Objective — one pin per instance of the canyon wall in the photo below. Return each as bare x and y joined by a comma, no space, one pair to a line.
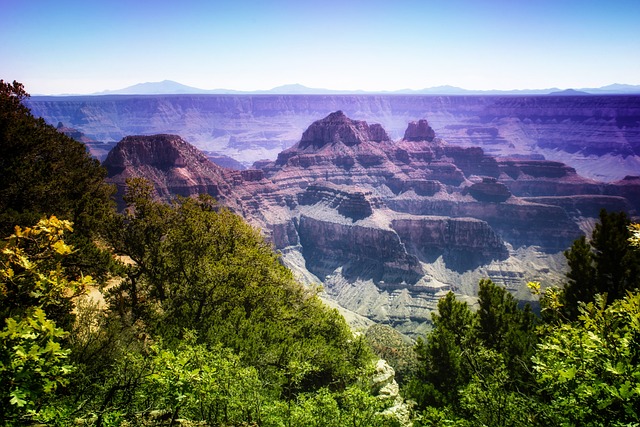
599,136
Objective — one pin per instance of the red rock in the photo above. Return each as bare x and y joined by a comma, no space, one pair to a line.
419,131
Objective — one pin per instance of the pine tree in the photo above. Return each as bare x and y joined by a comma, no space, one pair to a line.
607,264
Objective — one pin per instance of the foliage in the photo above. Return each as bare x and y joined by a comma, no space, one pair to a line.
607,264
45,173
198,266
32,364
589,370
36,296
490,398
474,366
32,274
634,240
395,348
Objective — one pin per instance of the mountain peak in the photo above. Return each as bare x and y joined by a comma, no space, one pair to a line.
154,88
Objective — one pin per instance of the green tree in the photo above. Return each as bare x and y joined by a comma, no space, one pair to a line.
475,367
507,329
44,173
589,370
198,266
581,275
489,399
605,265
36,298
443,358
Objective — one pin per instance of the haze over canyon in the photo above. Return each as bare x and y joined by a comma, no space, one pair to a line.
599,135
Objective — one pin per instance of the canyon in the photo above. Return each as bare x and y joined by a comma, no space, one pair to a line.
598,135
387,225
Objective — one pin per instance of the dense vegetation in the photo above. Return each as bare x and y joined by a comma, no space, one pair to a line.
578,364
198,320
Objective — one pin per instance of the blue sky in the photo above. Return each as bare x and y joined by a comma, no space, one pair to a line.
91,45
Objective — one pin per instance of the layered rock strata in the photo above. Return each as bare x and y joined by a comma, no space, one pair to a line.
390,226
597,135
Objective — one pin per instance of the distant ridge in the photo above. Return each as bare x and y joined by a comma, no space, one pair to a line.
165,87
569,92
169,87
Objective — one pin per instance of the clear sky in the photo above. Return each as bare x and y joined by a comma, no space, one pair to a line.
85,46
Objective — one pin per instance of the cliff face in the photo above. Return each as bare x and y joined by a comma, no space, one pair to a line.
174,166
589,133
389,226
358,251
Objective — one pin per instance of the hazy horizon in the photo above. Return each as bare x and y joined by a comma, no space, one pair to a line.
86,47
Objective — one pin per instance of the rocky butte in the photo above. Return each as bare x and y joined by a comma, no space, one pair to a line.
388,226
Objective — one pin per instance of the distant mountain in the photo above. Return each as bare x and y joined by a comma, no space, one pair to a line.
614,89
165,87
298,89
569,92
153,88
168,87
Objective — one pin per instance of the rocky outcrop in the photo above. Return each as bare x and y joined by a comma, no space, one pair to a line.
629,188
588,206
462,242
518,169
355,205
517,222
225,161
97,149
419,131
489,190
337,128
173,165
385,387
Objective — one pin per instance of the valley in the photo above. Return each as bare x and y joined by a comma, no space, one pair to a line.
388,226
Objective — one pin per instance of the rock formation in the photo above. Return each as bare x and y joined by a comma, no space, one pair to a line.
419,131
389,226
173,165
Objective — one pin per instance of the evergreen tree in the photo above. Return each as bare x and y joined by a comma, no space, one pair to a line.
443,358
508,330
607,264
44,173
470,358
